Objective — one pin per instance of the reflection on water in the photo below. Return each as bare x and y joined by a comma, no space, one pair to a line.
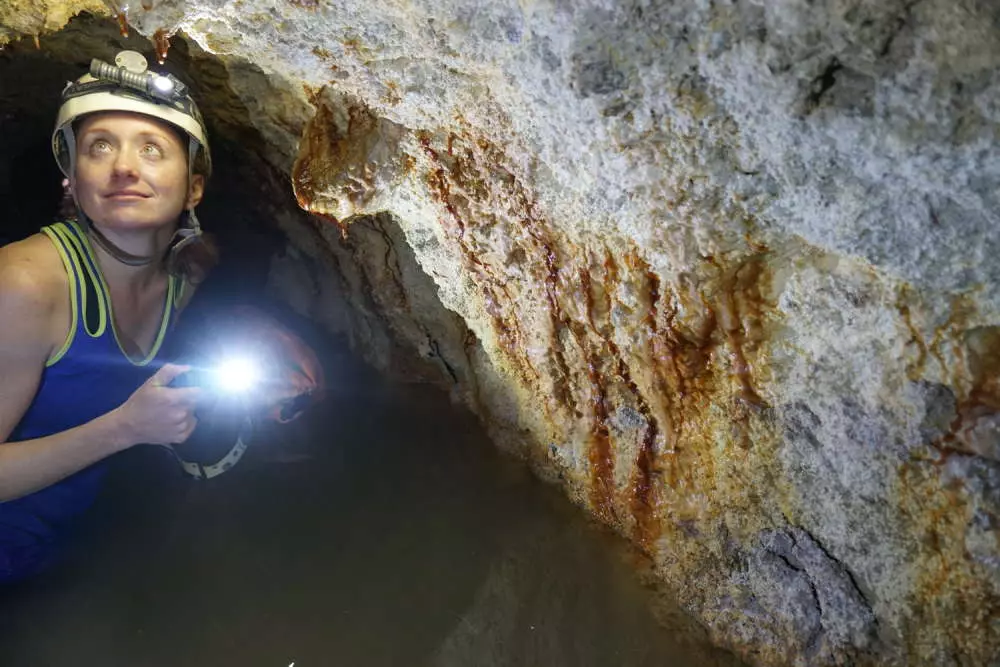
383,531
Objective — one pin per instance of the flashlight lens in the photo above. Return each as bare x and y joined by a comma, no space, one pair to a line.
163,84
236,375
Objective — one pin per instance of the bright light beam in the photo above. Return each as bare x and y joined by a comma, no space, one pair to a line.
236,376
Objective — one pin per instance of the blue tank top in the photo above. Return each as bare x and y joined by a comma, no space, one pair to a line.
88,377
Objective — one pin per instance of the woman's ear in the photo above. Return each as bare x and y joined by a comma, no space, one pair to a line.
196,191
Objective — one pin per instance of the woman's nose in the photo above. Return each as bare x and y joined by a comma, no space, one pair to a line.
125,164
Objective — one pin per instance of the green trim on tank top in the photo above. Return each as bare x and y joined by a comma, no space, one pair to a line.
95,322
168,306
71,274
80,261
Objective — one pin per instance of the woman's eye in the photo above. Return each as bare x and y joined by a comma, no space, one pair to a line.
152,150
100,146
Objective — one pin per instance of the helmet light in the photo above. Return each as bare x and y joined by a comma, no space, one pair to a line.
163,84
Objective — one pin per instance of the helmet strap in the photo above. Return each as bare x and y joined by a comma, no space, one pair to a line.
189,231
193,147
116,253
190,228
69,136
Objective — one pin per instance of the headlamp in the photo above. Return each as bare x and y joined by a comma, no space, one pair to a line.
165,87
163,84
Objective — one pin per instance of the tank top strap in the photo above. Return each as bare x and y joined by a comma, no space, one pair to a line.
88,302
90,297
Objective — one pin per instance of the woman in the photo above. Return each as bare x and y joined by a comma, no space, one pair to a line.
86,306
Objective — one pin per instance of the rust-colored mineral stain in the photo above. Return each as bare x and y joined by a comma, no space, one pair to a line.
723,312
740,307
147,5
961,310
557,318
647,528
681,367
497,295
743,296
352,44
314,94
161,42
312,160
302,186
330,220
586,286
467,168
641,491
602,484
543,247
916,370
392,95
947,586
602,471
982,399
122,23
653,282
310,149
974,378
679,372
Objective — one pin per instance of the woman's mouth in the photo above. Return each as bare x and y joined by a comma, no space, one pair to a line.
126,195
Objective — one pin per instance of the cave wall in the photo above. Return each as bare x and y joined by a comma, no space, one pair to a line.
723,270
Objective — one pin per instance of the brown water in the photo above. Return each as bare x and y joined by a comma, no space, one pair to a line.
403,540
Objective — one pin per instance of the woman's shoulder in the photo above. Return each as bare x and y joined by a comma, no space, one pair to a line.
32,271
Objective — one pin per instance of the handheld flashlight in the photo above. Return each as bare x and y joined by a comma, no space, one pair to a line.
236,375
232,376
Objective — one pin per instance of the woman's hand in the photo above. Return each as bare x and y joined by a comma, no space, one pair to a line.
157,414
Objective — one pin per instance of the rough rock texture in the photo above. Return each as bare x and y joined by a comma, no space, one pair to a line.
724,270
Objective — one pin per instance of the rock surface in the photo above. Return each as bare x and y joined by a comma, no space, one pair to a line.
726,271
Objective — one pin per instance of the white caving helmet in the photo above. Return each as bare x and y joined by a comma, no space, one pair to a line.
129,86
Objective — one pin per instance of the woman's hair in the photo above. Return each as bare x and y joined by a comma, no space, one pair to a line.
192,262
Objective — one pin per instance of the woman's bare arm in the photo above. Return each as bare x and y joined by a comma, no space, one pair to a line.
28,300
32,301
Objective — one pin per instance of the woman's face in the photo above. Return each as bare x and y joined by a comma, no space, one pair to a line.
132,172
